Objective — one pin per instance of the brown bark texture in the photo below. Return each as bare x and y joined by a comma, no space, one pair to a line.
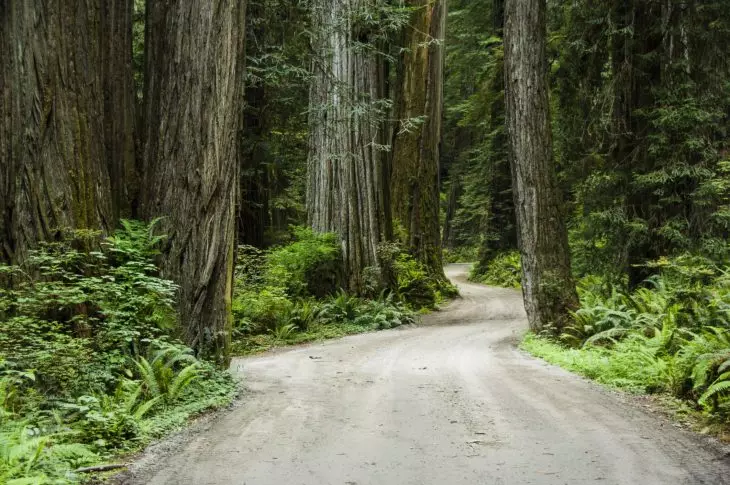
59,109
194,53
119,105
345,188
547,285
417,138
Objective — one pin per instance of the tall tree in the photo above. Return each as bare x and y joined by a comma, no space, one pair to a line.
346,187
194,52
62,112
547,285
417,138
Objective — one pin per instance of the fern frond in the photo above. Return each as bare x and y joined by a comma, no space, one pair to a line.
145,407
183,379
714,390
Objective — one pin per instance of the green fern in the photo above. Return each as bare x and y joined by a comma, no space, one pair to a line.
170,370
283,332
182,380
719,387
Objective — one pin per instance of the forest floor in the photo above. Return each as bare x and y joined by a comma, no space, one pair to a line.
449,401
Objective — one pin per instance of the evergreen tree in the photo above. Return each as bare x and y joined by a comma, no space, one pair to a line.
547,283
414,181
65,119
193,96
346,187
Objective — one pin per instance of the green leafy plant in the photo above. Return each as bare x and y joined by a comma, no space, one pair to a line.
503,270
168,372
284,332
87,362
306,267
340,308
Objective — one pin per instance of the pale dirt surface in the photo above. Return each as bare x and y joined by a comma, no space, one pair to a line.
449,402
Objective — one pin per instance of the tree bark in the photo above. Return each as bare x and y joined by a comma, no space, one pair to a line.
415,164
547,284
345,188
194,54
58,112
452,204
119,105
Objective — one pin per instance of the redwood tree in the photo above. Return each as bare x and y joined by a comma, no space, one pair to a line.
62,118
346,189
547,284
194,52
417,138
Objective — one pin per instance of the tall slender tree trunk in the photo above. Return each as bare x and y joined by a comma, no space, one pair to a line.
415,164
255,186
59,112
345,189
547,285
253,204
193,99
452,204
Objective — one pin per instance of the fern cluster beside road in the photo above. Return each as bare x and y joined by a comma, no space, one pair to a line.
91,364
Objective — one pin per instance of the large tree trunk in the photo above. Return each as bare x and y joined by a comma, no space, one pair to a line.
547,284
58,118
193,99
345,189
415,165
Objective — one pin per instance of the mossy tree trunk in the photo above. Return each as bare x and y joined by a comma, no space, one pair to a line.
417,138
62,112
547,284
192,109
345,188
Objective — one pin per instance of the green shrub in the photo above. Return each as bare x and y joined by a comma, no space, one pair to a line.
258,311
384,313
87,360
504,270
340,308
73,315
409,279
288,294
308,266
463,254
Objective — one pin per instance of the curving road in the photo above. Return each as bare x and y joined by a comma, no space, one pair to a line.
448,402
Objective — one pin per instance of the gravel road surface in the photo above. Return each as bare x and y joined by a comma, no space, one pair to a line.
448,402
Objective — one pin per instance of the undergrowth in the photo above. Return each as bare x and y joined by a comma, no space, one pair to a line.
671,336
503,270
89,363
462,254
290,294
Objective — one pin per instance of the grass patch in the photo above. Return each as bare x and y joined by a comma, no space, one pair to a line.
621,369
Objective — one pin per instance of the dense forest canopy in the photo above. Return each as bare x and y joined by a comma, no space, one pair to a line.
179,179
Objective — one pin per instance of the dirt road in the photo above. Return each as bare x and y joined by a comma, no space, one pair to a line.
446,403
